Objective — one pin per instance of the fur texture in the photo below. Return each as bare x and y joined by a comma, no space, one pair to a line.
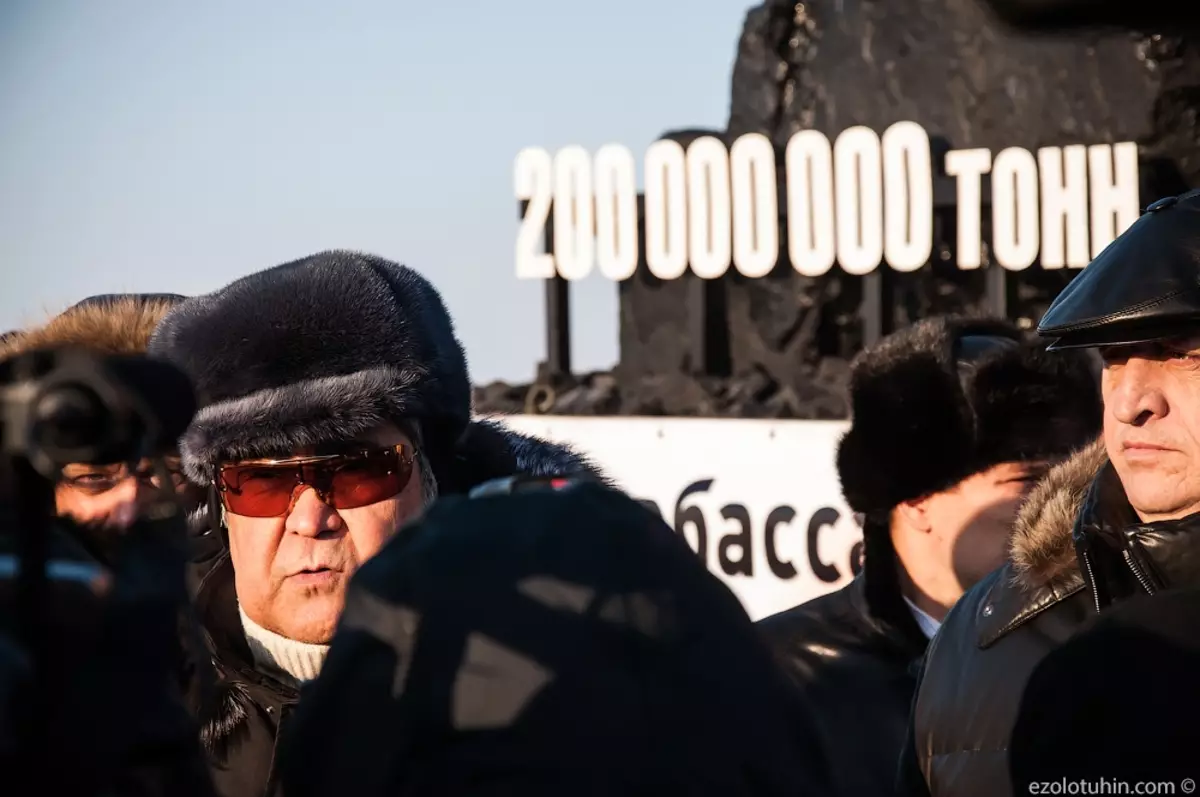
490,450
925,415
221,719
290,417
106,325
1042,547
317,350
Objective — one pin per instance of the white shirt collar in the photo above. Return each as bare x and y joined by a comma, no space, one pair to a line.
929,626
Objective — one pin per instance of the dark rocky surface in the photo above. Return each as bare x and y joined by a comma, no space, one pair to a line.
780,346
673,394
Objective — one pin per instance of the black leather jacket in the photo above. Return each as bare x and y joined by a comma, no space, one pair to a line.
852,655
1077,549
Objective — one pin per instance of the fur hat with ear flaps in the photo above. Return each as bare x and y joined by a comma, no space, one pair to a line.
118,324
949,397
325,348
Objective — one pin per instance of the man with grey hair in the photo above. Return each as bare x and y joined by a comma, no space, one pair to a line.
335,405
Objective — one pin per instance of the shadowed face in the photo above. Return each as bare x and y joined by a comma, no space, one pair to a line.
970,524
292,569
1152,425
109,495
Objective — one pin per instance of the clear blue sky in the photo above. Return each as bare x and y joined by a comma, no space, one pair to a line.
174,146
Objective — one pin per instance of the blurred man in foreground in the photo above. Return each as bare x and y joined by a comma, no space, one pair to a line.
550,643
953,420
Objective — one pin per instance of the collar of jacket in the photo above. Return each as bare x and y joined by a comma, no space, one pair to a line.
1042,568
878,589
1081,507
228,707
1125,556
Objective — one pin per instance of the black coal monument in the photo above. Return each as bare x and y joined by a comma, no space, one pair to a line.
779,346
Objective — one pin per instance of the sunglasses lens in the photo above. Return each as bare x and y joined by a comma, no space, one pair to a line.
345,483
258,491
367,480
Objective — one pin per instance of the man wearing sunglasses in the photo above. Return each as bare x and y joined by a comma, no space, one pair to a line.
335,405
104,497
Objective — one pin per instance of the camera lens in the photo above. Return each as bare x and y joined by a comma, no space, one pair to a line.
69,417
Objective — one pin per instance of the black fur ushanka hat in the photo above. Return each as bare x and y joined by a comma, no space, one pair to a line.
949,397
313,351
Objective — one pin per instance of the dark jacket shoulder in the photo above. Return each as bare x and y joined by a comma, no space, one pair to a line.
826,628
850,654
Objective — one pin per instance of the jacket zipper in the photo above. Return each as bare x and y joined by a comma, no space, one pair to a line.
1087,564
1137,572
273,773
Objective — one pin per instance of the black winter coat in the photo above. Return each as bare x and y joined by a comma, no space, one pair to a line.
240,721
977,667
242,718
853,654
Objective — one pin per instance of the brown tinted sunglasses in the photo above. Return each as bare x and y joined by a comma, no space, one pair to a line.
267,487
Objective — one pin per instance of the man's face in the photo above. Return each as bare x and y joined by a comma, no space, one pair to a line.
1152,425
971,522
109,495
291,570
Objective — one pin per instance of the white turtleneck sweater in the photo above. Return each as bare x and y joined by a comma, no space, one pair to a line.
301,661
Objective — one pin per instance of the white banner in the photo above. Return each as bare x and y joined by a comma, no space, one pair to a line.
758,500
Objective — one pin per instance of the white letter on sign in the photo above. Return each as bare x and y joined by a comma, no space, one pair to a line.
574,229
858,173
709,222
1113,199
811,233
755,205
666,210
534,183
1015,208
1064,202
616,212
908,191
968,166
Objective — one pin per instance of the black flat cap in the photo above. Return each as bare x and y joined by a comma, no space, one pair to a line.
1144,286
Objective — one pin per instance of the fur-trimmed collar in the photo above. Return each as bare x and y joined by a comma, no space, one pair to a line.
491,450
1042,548
122,325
